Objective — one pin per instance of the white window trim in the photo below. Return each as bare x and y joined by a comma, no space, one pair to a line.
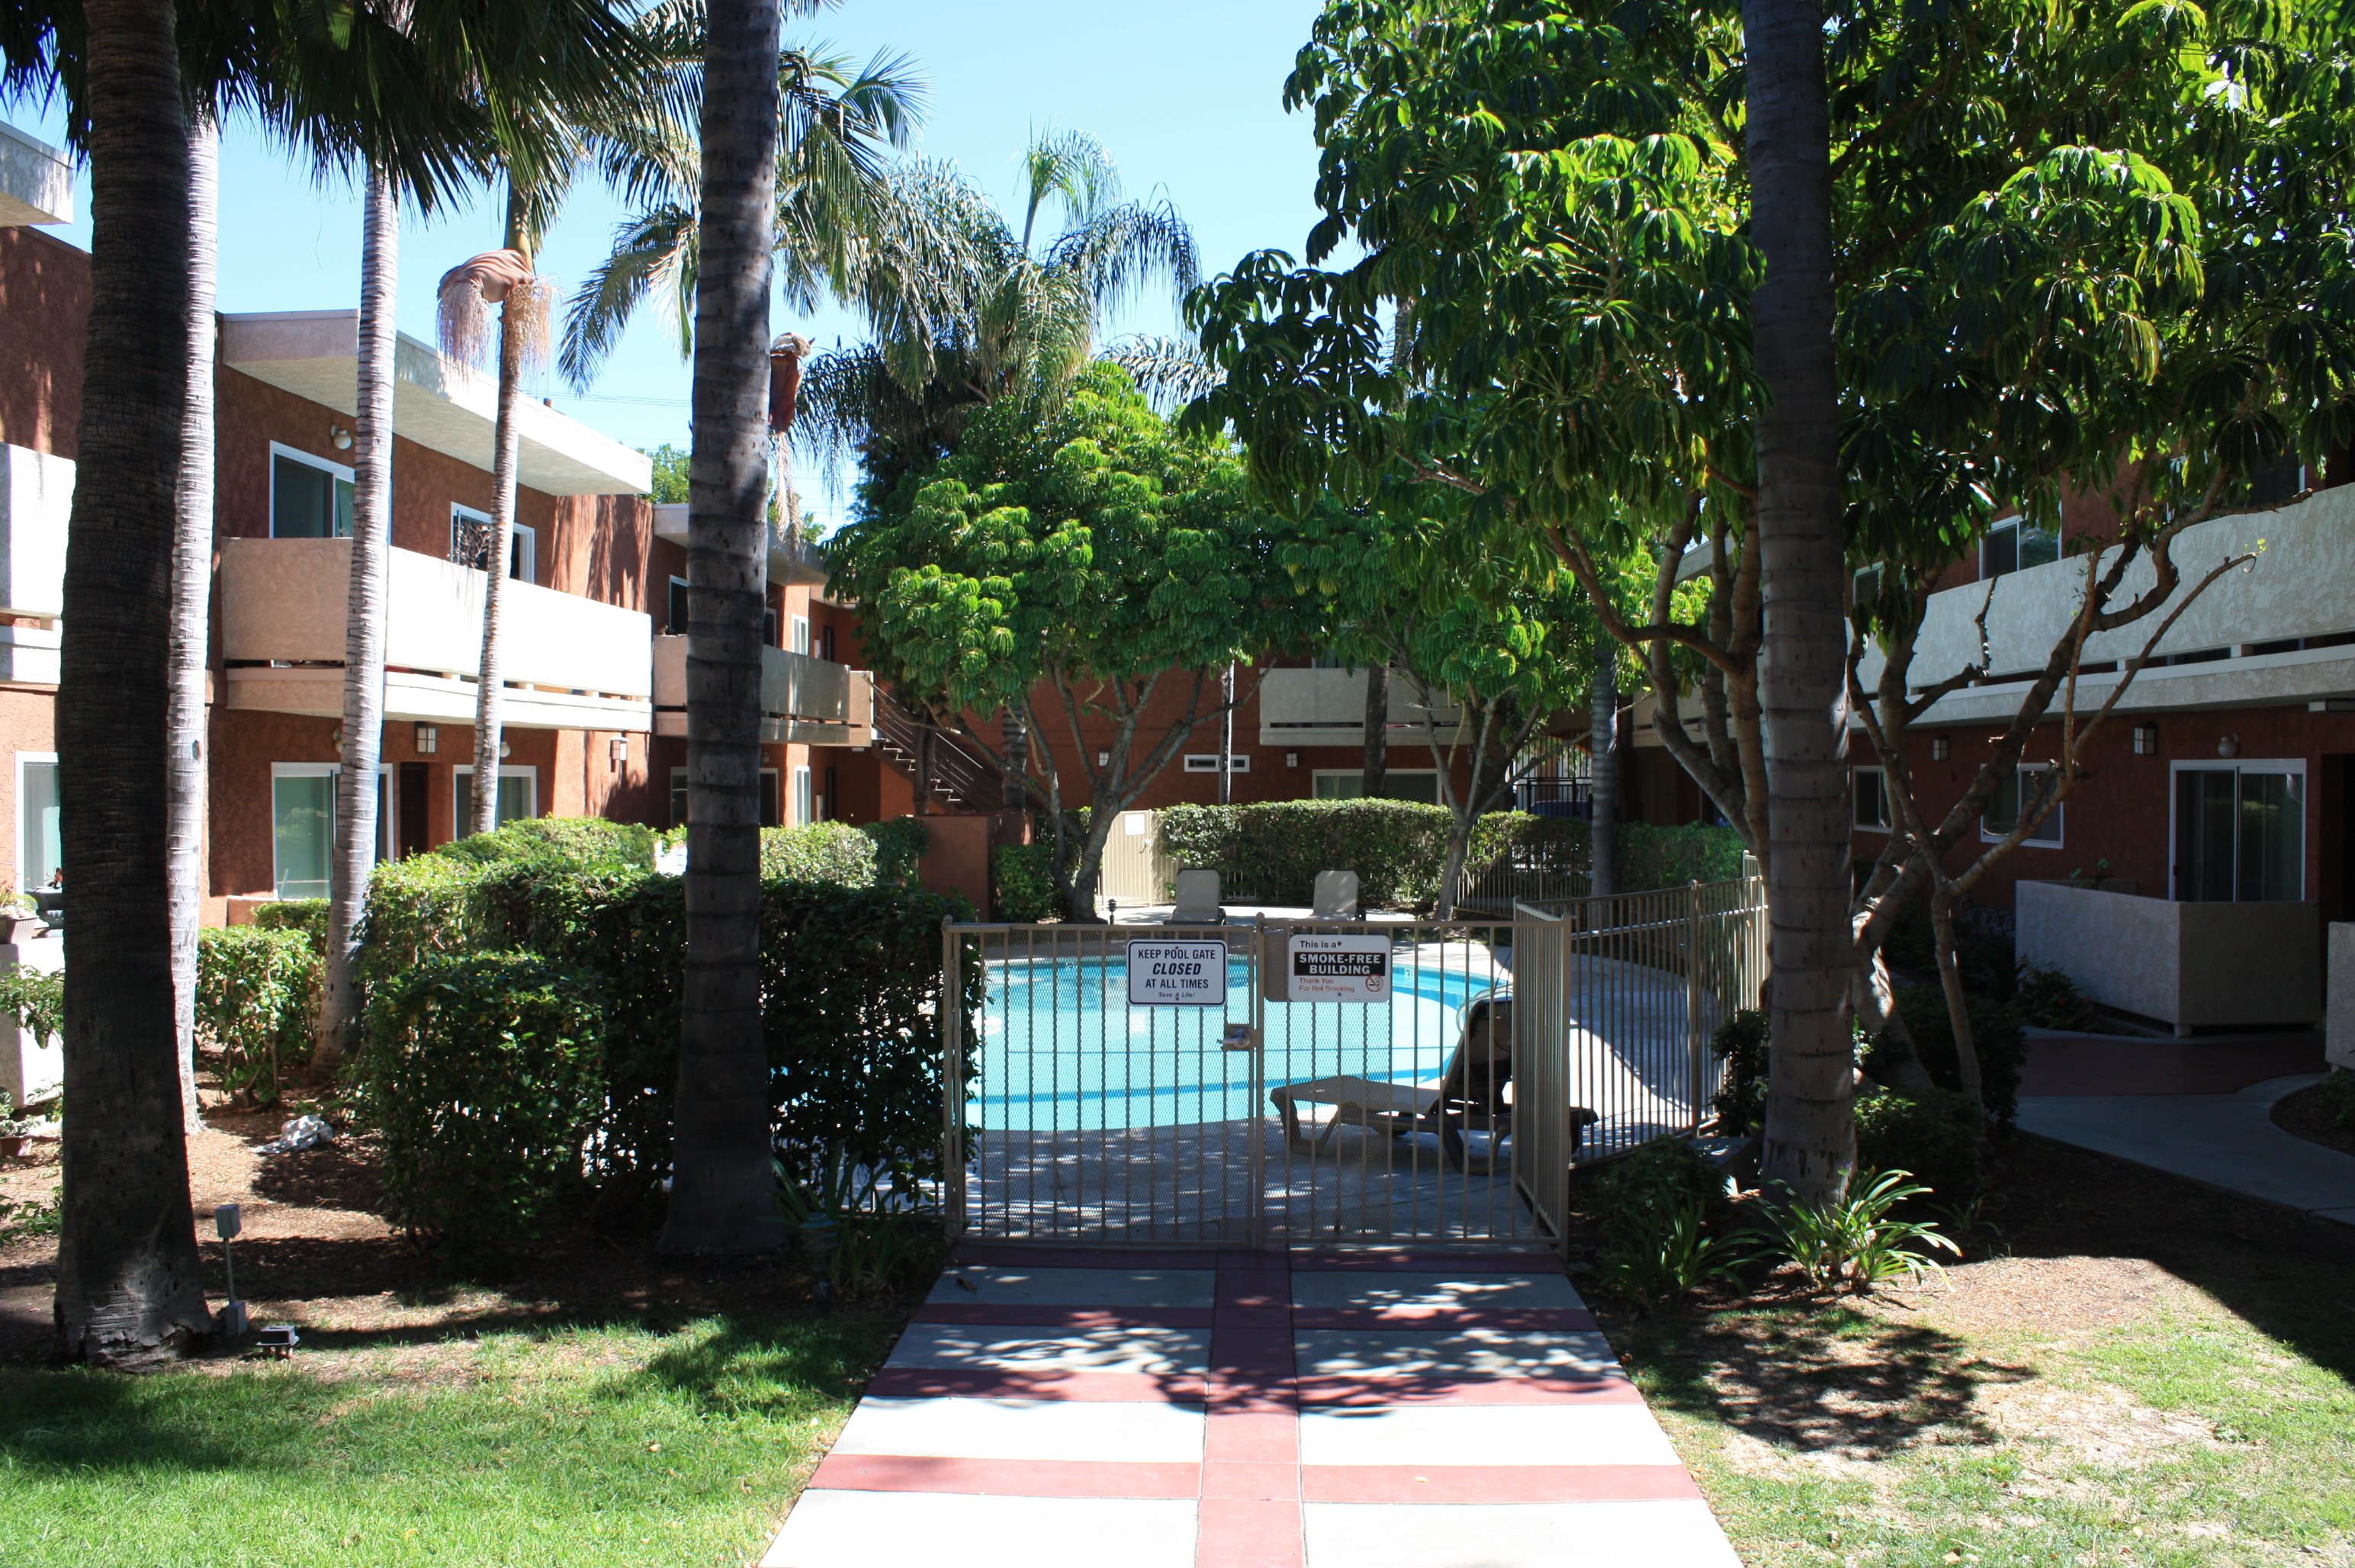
2057,822
506,771
797,634
525,541
388,821
1207,762
804,805
2018,525
279,449
2178,768
36,758
1854,821
1317,774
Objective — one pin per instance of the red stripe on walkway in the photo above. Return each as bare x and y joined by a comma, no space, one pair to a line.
1007,1478
1072,1387
1015,1315
1374,1391
1532,1264
1448,1319
1248,1532
988,1255
1495,1483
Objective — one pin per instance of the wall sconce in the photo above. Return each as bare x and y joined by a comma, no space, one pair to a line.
504,747
2146,740
428,740
619,751
1103,759
338,739
1291,759
1941,748
2230,746
341,436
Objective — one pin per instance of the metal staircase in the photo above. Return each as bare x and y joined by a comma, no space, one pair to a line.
961,781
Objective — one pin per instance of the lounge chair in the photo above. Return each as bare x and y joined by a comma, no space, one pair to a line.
1335,896
1197,899
1469,1094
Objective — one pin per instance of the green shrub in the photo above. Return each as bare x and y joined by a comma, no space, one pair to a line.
2050,999
1939,1137
483,1075
1856,1240
36,998
308,916
258,1005
819,852
899,845
1995,1031
417,909
575,840
1661,857
1022,882
1663,1211
1739,1043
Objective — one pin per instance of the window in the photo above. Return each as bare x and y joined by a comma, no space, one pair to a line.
1397,784
518,797
38,855
804,804
769,629
2239,832
469,544
1864,587
799,625
678,797
303,825
310,498
1871,794
825,643
677,626
1207,762
2015,545
2020,794
772,799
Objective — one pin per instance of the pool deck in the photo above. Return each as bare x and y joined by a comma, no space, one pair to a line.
1065,1409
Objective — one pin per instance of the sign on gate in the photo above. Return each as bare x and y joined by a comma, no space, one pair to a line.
1339,968
1177,974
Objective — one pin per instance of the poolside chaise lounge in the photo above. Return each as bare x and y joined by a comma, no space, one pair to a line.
1196,900
1335,896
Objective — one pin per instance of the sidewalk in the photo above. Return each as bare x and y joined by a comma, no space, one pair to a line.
1055,1409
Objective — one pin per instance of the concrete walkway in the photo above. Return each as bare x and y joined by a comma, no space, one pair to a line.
2220,1140
1065,1409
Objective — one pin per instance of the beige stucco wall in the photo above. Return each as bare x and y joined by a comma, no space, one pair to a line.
2194,965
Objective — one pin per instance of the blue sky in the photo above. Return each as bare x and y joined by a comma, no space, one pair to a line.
1187,96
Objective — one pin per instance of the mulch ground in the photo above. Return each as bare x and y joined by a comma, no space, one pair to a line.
2323,1114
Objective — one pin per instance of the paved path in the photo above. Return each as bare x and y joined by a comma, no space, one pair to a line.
1064,1409
2220,1140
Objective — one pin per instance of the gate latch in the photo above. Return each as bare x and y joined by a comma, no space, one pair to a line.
1239,1037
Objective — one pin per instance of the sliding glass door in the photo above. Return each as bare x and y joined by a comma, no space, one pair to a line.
2239,832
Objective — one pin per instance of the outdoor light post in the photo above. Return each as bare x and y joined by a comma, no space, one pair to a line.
231,1321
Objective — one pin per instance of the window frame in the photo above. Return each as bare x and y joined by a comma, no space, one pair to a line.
279,449
2018,525
506,771
805,801
36,758
2178,766
1317,775
524,543
1855,800
672,628
2056,823
387,826
797,634
1237,763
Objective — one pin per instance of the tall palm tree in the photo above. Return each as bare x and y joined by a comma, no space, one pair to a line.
129,1288
1810,1137
721,1195
192,568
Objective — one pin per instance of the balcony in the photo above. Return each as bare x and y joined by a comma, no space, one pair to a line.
1327,707
569,662
35,499
795,559
2278,633
35,181
804,701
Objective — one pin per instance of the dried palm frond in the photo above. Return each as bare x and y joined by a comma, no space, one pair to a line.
462,314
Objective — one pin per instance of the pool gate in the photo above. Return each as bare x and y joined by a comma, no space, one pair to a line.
1177,1084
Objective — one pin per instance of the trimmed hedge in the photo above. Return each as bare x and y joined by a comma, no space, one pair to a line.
569,840
258,1003
1272,852
819,852
308,916
1022,882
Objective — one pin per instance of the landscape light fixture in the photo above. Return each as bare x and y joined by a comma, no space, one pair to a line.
428,740
231,1321
1941,748
2146,740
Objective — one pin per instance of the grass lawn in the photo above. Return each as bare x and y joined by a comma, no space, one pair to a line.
525,1446
2136,1370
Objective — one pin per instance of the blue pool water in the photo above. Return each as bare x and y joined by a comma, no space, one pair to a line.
1060,1048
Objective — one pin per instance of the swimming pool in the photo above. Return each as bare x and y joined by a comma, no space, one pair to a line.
1060,1049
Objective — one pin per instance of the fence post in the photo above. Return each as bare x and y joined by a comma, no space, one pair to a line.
1693,1045
1257,1120
952,1081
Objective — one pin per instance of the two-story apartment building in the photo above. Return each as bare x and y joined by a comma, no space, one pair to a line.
593,667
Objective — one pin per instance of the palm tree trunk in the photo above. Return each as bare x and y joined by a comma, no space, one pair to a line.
364,624
1603,778
192,578
129,1291
1810,1139
1377,732
722,1198
508,441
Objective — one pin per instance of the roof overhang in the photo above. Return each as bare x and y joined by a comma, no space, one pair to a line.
35,181
436,402
794,560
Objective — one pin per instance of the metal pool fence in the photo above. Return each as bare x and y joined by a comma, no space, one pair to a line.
1217,1109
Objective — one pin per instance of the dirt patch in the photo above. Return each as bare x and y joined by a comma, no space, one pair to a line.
2324,1113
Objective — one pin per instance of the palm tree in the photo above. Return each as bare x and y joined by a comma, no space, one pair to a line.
1810,1137
192,567
722,1198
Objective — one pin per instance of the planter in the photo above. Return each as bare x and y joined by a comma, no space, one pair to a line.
11,1147
2194,966
25,928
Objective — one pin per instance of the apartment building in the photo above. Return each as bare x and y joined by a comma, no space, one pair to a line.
592,662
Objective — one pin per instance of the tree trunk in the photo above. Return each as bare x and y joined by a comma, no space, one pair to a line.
192,582
1378,732
506,445
1014,732
923,764
1958,1006
1079,898
1459,847
1602,779
364,625
128,1290
1226,734
722,1196
1810,1139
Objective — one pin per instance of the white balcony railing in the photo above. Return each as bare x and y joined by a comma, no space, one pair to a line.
569,662
36,498
2263,635
1327,707
803,700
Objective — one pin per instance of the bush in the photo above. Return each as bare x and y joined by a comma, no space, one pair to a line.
2050,999
36,998
573,840
258,1005
1739,1043
308,916
1022,882
819,852
417,909
1995,1031
1660,856
481,1073
1855,1240
899,845
1938,1136
1663,1210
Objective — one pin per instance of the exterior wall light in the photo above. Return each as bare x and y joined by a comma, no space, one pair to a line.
341,436
1103,759
428,740
2230,746
1291,759
1941,748
2146,740
504,747
619,751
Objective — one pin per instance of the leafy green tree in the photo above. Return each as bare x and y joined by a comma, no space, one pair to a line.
669,465
1083,568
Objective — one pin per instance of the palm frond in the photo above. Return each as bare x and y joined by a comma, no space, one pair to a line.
1169,371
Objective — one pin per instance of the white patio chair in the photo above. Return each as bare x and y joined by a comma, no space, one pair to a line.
1197,899
1335,896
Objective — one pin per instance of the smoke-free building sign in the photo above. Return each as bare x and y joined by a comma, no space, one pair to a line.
1177,974
1339,968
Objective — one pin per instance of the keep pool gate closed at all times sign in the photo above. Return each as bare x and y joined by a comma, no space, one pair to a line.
1177,974
1314,968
